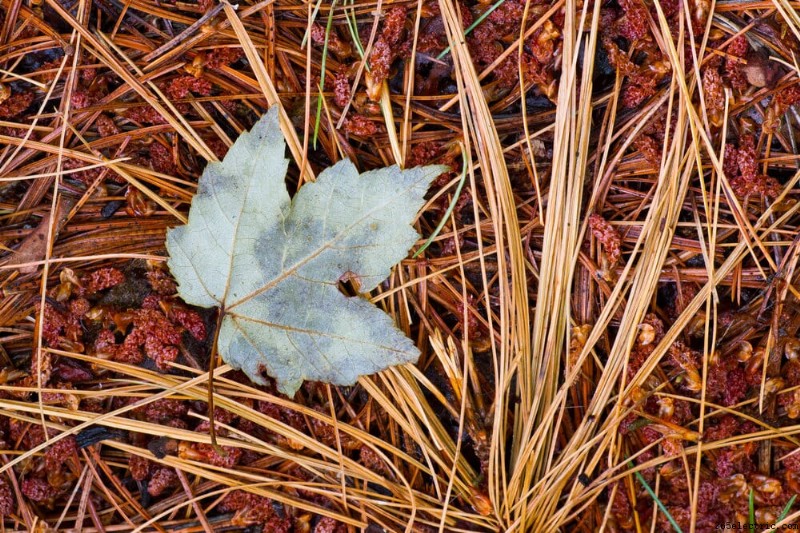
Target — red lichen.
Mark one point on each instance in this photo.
(278, 524)
(371, 460)
(79, 100)
(89, 176)
(64, 399)
(223, 56)
(621, 509)
(685, 292)
(736, 460)
(608, 237)
(206, 453)
(79, 307)
(16, 104)
(165, 409)
(746, 157)
(181, 86)
(483, 45)
(28, 435)
(714, 95)
(425, 153)
(7, 501)
(152, 332)
(59, 326)
(317, 34)
(380, 61)
(329, 525)
(190, 320)
(156, 325)
(151, 301)
(102, 279)
(639, 89)
(161, 159)
(394, 25)
(329, 436)
(161, 282)
(725, 428)
(249, 508)
(649, 148)
(335, 44)
(360, 125)
(145, 114)
(760, 185)
(386, 48)
(635, 24)
(791, 461)
(788, 96)
(162, 354)
(69, 371)
(57, 454)
(507, 18)
(139, 467)
(738, 48)
(744, 177)
(651, 333)
(38, 490)
(341, 89)
(161, 479)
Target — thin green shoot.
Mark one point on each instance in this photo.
(447, 213)
(474, 25)
(639, 423)
(313, 19)
(352, 25)
(659, 503)
(322, 74)
(751, 505)
(787, 508)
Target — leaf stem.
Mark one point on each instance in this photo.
(212, 364)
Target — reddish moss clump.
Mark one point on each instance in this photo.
(7, 502)
(16, 104)
(741, 169)
(360, 125)
(182, 86)
(608, 237)
(162, 478)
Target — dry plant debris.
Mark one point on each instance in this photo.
(608, 319)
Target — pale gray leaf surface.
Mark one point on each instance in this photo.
(273, 263)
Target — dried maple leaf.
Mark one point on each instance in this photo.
(272, 264)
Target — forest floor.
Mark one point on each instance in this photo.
(608, 317)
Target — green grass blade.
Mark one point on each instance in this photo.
(659, 503)
(787, 508)
(352, 25)
(474, 25)
(313, 18)
(322, 74)
(446, 214)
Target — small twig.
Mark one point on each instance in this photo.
(198, 509)
(175, 41)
